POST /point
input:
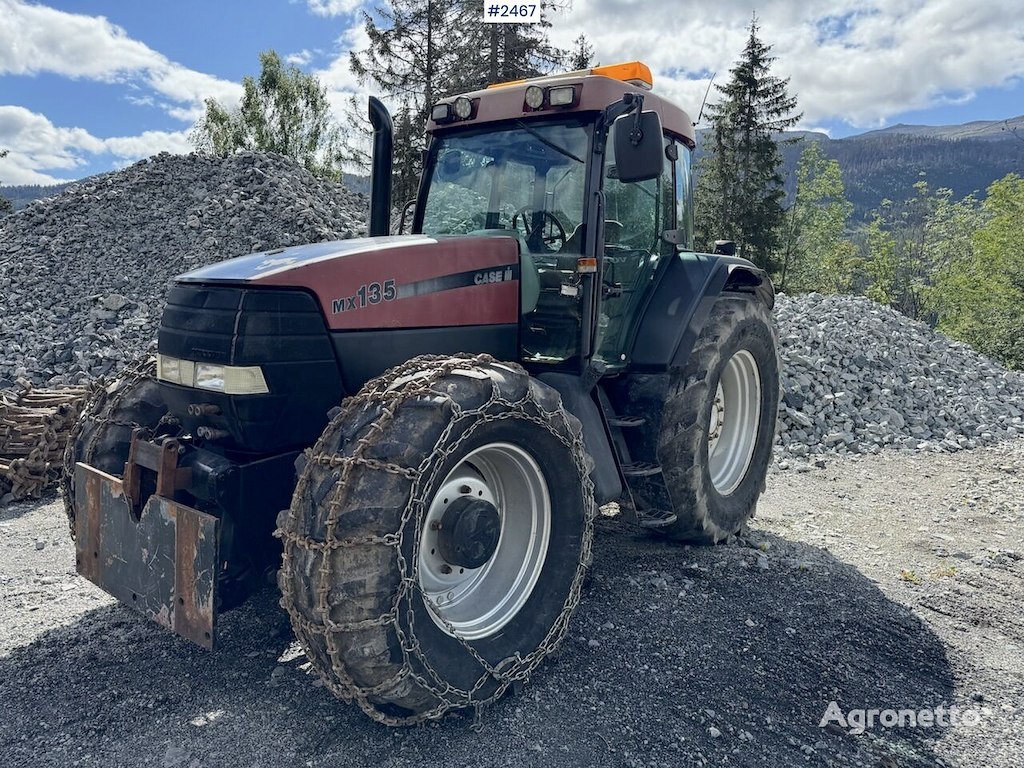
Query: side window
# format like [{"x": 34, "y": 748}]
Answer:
[
  {"x": 684, "y": 195},
  {"x": 635, "y": 216}
]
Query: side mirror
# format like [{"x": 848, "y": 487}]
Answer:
[{"x": 639, "y": 147}]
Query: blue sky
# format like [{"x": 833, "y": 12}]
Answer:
[{"x": 91, "y": 85}]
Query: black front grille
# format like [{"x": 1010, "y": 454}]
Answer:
[{"x": 284, "y": 333}]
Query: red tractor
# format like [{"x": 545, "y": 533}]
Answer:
[{"x": 438, "y": 414}]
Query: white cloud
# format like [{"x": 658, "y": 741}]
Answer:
[
  {"x": 858, "y": 61},
  {"x": 35, "y": 39},
  {"x": 300, "y": 59},
  {"x": 333, "y": 7},
  {"x": 37, "y": 146}
]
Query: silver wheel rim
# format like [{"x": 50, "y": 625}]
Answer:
[
  {"x": 735, "y": 415},
  {"x": 472, "y": 603}
]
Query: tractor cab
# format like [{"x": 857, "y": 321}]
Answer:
[{"x": 537, "y": 161}]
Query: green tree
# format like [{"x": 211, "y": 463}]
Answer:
[
  {"x": 283, "y": 110},
  {"x": 816, "y": 255},
  {"x": 910, "y": 246},
  {"x": 497, "y": 53},
  {"x": 5, "y": 204},
  {"x": 581, "y": 56},
  {"x": 413, "y": 54},
  {"x": 979, "y": 298},
  {"x": 739, "y": 192}
]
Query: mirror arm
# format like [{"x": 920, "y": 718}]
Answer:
[
  {"x": 636, "y": 134},
  {"x": 612, "y": 112}
]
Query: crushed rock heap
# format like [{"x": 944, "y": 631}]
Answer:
[
  {"x": 858, "y": 377},
  {"x": 83, "y": 275}
]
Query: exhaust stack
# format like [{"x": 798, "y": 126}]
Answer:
[{"x": 380, "y": 174}]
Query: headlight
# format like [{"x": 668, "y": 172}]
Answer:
[
  {"x": 534, "y": 97},
  {"x": 562, "y": 96},
  {"x": 229, "y": 379},
  {"x": 463, "y": 107},
  {"x": 441, "y": 113}
]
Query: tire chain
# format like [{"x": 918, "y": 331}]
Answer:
[
  {"x": 107, "y": 395},
  {"x": 409, "y": 381}
]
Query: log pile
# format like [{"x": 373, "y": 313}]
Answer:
[{"x": 34, "y": 428}]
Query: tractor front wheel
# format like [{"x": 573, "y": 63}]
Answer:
[
  {"x": 438, "y": 537},
  {"x": 718, "y": 425}
]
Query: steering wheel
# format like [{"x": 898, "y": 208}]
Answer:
[{"x": 551, "y": 232}]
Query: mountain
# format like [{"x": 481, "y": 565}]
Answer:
[
  {"x": 979, "y": 129},
  {"x": 22, "y": 195},
  {"x": 885, "y": 164}
]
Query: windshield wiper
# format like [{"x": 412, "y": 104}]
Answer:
[{"x": 548, "y": 142}]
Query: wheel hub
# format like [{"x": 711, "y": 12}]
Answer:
[
  {"x": 469, "y": 532},
  {"x": 733, "y": 425},
  {"x": 484, "y": 540}
]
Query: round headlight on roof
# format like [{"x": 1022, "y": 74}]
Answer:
[
  {"x": 463, "y": 107},
  {"x": 534, "y": 97}
]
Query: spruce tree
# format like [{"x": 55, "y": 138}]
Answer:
[
  {"x": 740, "y": 189},
  {"x": 582, "y": 54}
]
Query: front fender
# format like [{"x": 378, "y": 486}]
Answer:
[{"x": 681, "y": 302}]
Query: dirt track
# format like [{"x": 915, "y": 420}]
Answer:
[{"x": 891, "y": 582}]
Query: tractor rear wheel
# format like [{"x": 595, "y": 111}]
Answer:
[
  {"x": 718, "y": 425},
  {"x": 438, "y": 537},
  {"x": 103, "y": 434}
]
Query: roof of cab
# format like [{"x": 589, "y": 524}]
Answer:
[{"x": 597, "y": 88}]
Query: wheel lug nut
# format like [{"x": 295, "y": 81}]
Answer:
[{"x": 435, "y": 525}]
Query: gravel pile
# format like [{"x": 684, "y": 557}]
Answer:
[
  {"x": 83, "y": 275},
  {"x": 858, "y": 377}
]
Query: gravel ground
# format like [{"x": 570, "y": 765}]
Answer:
[{"x": 885, "y": 581}]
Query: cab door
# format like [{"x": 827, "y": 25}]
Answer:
[{"x": 635, "y": 216}]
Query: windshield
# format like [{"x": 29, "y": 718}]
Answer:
[{"x": 527, "y": 180}]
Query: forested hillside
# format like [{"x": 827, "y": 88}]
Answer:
[{"x": 886, "y": 164}]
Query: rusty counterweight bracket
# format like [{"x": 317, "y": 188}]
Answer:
[
  {"x": 162, "y": 560},
  {"x": 159, "y": 456}
]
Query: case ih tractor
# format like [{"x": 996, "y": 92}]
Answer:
[{"x": 439, "y": 413}]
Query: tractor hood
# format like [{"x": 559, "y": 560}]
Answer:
[{"x": 403, "y": 281}]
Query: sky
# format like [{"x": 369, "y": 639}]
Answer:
[{"x": 88, "y": 86}]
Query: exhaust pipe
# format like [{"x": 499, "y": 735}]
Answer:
[{"x": 380, "y": 173}]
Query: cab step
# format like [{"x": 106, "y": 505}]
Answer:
[
  {"x": 626, "y": 421},
  {"x": 654, "y": 518},
  {"x": 641, "y": 469}
]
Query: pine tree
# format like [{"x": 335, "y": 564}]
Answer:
[
  {"x": 414, "y": 53},
  {"x": 582, "y": 54},
  {"x": 497, "y": 53},
  {"x": 740, "y": 194}
]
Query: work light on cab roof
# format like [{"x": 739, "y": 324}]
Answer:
[{"x": 549, "y": 91}]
